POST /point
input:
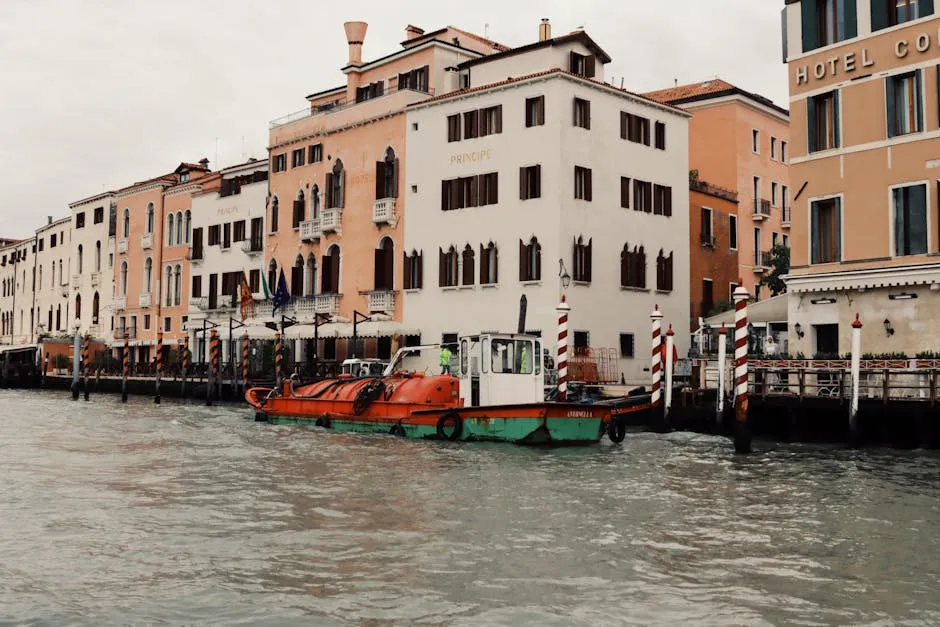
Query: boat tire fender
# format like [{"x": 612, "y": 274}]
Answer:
[
  {"x": 324, "y": 422},
  {"x": 617, "y": 430},
  {"x": 397, "y": 430},
  {"x": 261, "y": 416},
  {"x": 450, "y": 426},
  {"x": 369, "y": 392}
]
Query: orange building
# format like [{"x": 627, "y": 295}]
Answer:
[
  {"x": 740, "y": 141},
  {"x": 338, "y": 194},
  {"x": 713, "y": 246}
]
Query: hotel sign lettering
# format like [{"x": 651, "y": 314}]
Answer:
[
  {"x": 471, "y": 157},
  {"x": 849, "y": 62}
]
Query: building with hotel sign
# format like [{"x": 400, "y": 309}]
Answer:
[{"x": 865, "y": 165}]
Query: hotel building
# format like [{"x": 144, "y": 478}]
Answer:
[
  {"x": 534, "y": 169},
  {"x": 865, "y": 154}
]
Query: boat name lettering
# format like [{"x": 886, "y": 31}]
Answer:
[{"x": 579, "y": 413}]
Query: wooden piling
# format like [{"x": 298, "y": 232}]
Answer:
[
  {"x": 86, "y": 360},
  {"x": 278, "y": 372},
  {"x": 722, "y": 357},
  {"x": 742, "y": 433},
  {"x": 656, "y": 323},
  {"x": 670, "y": 365},
  {"x": 244, "y": 363},
  {"x": 211, "y": 370},
  {"x": 185, "y": 366},
  {"x": 156, "y": 397},
  {"x": 127, "y": 367}
]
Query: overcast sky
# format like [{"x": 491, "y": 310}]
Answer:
[{"x": 98, "y": 94}]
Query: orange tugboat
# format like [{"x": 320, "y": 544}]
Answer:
[{"x": 498, "y": 395}]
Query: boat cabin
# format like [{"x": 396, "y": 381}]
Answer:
[
  {"x": 501, "y": 369},
  {"x": 364, "y": 367}
]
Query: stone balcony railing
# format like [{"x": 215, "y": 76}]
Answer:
[
  {"x": 144, "y": 300},
  {"x": 383, "y": 211},
  {"x": 381, "y": 301},
  {"x": 119, "y": 303},
  {"x": 146, "y": 241},
  {"x": 310, "y": 230},
  {"x": 761, "y": 209},
  {"x": 95, "y": 279},
  {"x": 199, "y": 302},
  {"x": 331, "y": 220},
  {"x": 122, "y": 245},
  {"x": 76, "y": 281}
]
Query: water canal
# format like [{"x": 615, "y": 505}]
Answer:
[{"x": 185, "y": 514}]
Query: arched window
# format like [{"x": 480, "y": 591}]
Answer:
[
  {"x": 310, "y": 276},
  {"x": 336, "y": 186},
  {"x": 448, "y": 267},
  {"x": 489, "y": 264},
  {"x": 386, "y": 176},
  {"x": 78, "y": 306},
  {"x": 61, "y": 276},
  {"x": 170, "y": 219},
  {"x": 123, "y": 278},
  {"x": 272, "y": 276},
  {"x": 148, "y": 276},
  {"x": 664, "y": 272},
  {"x": 94, "y": 308},
  {"x": 633, "y": 267},
  {"x": 384, "y": 273},
  {"x": 581, "y": 260},
  {"x": 297, "y": 277},
  {"x": 414, "y": 271},
  {"x": 329, "y": 271},
  {"x": 58, "y": 318},
  {"x": 150, "y": 217},
  {"x": 299, "y": 209},
  {"x": 98, "y": 256},
  {"x": 273, "y": 219},
  {"x": 79, "y": 258},
  {"x": 188, "y": 225},
  {"x": 169, "y": 286},
  {"x": 40, "y": 282},
  {"x": 530, "y": 260},
  {"x": 469, "y": 267},
  {"x": 126, "y": 223},
  {"x": 49, "y": 326},
  {"x": 179, "y": 227},
  {"x": 315, "y": 202},
  {"x": 178, "y": 292}
]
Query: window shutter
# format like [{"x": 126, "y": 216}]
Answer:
[
  {"x": 378, "y": 270},
  {"x": 396, "y": 172},
  {"x": 541, "y": 110},
  {"x": 329, "y": 190},
  {"x": 326, "y": 285},
  {"x": 538, "y": 261},
  {"x": 588, "y": 186},
  {"x": 522, "y": 183},
  {"x": 851, "y": 19},
  {"x": 484, "y": 264},
  {"x": 890, "y": 92},
  {"x": 499, "y": 119},
  {"x": 587, "y": 114},
  {"x": 523, "y": 260},
  {"x": 538, "y": 181},
  {"x": 646, "y": 131},
  {"x": 406, "y": 271},
  {"x": 574, "y": 111},
  {"x": 468, "y": 270},
  {"x": 667, "y": 208},
  {"x": 879, "y": 14},
  {"x": 587, "y": 260},
  {"x": 838, "y": 236},
  {"x": 474, "y": 190},
  {"x": 342, "y": 189},
  {"x": 810, "y": 27},
  {"x": 495, "y": 264},
  {"x": 420, "y": 273},
  {"x": 624, "y": 192},
  {"x": 388, "y": 264},
  {"x": 623, "y": 125},
  {"x": 442, "y": 260},
  {"x": 815, "y": 235},
  {"x": 573, "y": 62},
  {"x": 589, "y": 66},
  {"x": 924, "y": 8},
  {"x": 445, "y": 196},
  {"x": 918, "y": 100},
  {"x": 836, "y": 131},
  {"x": 379, "y": 180}
]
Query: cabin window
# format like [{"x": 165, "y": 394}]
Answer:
[
  {"x": 485, "y": 362},
  {"x": 511, "y": 356},
  {"x": 464, "y": 357},
  {"x": 538, "y": 357}
]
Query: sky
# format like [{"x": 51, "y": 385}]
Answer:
[{"x": 98, "y": 94}]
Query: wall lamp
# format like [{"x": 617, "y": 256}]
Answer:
[
  {"x": 563, "y": 274},
  {"x": 799, "y": 330},
  {"x": 889, "y": 330}
]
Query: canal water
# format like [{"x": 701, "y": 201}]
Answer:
[{"x": 183, "y": 514}]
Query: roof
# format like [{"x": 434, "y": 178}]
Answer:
[
  {"x": 434, "y": 33},
  {"x": 341, "y": 88},
  {"x": 708, "y": 90},
  {"x": 574, "y": 36}
]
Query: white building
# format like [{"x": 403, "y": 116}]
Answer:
[
  {"x": 54, "y": 287},
  {"x": 92, "y": 265},
  {"x": 227, "y": 242},
  {"x": 17, "y": 263},
  {"x": 538, "y": 168}
]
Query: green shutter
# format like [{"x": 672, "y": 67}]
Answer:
[
  {"x": 889, "y": 99},
  {"x": 837, "y": 130},
  {"x": 924, "y": 8},
  {"x": 851, "y": 19},
  {"x": 810, "y": 28},
  {"x": 897, "y": 203},
  {"x": 811, "y": 124},
  {"x": 879, "y": 15}
]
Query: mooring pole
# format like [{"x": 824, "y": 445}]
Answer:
[
  {"x": 185, "y": 366},
  {"x": 127, "y": 366},
  {"x": 562, "y": 309},
  {"x": 156, "y": 397},
  {"x": 244, "y": 362},
  {"x": 670, "y": 364},
  {"x": 211, "y": 367},
  {"x": 86, "y": 360},
  {"x": 722, "y": 384},
  {"x": 742, "y": 433},
  {"x": 278, "y": 374},
  {"x": 656, "y": 368},
  {"x": 856, "y": 367},
  {"x": 76, "y": 362}
]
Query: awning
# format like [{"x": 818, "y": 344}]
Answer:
[
  {"x": 773, "y": 309},
  {"x": 371, "y": 328},
  {"x": 19, "y": 348}
]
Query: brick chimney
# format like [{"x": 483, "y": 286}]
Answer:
[
  {"x": 545, "y": 30},
  {"x": 355, "y": 35},
  {"x": 413, "y": 32}
]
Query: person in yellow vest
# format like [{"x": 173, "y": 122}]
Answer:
[
  {"x": 445, "y": 359},
  {"x": 524, "y": 358}
]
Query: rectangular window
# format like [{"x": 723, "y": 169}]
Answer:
[
  {"x": 773, "y": 193},
  {"x": 146, "y": 321},
  {"x": 905, "y": 110},
  {"x": 470, "y": 191},
  {"x": 238, "y": 231},
  {"x": 773, "y": 238},
  {"x": 582, "y": 339},
  {"x": 297, "y": 158},
  {"x": 708, "y": 297},
  {"x": 910, "y": 220},
  {"x": 786, "y": 240},
  {"x": 254, "y": 281},
  {"x": 582, "y": 113},
  {"x": 227, "y": 235},
  {"x": 80, "y": 220},
  {"x": 626, "y": 345},
  {"x": 214, "y": 235},
  {"x": 661, "y": 135},
  {"x": 491, "y": 120},
  {"x": 642, "y": 196},
  {"x": 370, "y": 91},
  {"x": 535, "y": 111},
  {"x": 453, "y": 128},
  {"x": 783, "y": 152},
  {"x": 280, "y": 162},
  {"x": 773, "y": 147},
  {"x": 826, "y": 22},
  {"x": 582, "y": 183},
  {"x": 634, "y": 128},
  {"x": 822, "y": 114},
  {"x": 826, "y": 231},
  {"x": 471, "y": 124},
  {"x": 99, "y": 215},
  {"x": 624, "y": 192},
  {"x": 733, "y": 232},
  {"x": 530, "y": 182},
  {"x": 886, "y": 13},
  {"x": 582, "y": 65},
  {"x": 416, "y": 80},
  {"x": 167, "y": 324},
  {"x": 52, "y": 240},
  {"x": 755, "y": 141},
  {"x": 662, "y": 200},
  {"x": 316, "y": 153},
  {"x": 708, "y": 228}
]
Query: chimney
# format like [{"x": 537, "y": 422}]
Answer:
[
  {"x": 355, "y": 35},
  {"x": 204, "y": 163},
  {"x": 413, "y": 32},
  {"x": 545, "y": 30},
  {"x": 50, "y": 219}
]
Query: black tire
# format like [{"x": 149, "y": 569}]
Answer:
[
  {"x": 324, "y": 422},
  {"x": 260, "y": 416},
  {"x": 617, "y": 430},
  {"x": 397, "y": 430},
  {"x": 450, "y": 426}
]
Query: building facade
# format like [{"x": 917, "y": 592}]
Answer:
[
  {"x": 92, "y": 263},
  {"x": 55, "y": 293},
  {"x": 17, "y": 262},
  {"x": 713, "y": 249},
  {"x": 514, "y": 183},
  {"x": 865, "y": 142}
]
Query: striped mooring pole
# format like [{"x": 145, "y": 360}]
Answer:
[
  {"x": 86, "y": 360},
  {"x": 656, "y": 363},
  {"x": 127, "y": 366},
  {"x": 156, "y": 396},
  {"x": 669, "y": 367},
  {"x": 856, "y": 366},
  {"x": 563, "y": 309},
  {"x": 278, "y": 372},
  {"x": 185, "y": 365},
  {"x": 213, "y": 363},
  {"x": 245, "y": 362},
  {"x": 742, "y": 433}
]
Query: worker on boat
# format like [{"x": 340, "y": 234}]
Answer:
[
  {"x": 445, "y": 359},
  {"x": 524, "y": 358}
]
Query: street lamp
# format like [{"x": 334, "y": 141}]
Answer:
[{"x": 563, "y": 274}]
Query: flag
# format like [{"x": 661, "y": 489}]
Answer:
[
  {"x": 264, "y": 286},
  {"x": 282, "y": 295},
  {"x": 247, "y": 300}
]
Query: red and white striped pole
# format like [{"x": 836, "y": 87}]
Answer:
[
  {"x": 563, "y": 309},
  {"x": 742, "y": 435},
  {"x": 657, "y": 355}
]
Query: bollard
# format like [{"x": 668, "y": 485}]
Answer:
[
  {"x": 127, "y": 366},
  {"x": 562, "y": 309},
  {"x": 245, "y": 363},
  {"x": 86, "y": 359},
  {"x": 722, "y": 384},
  {"x": 742, "y": 433},
  {"x": 279, "y": 378},
  {"x": 156, "y": 398},
  {"x": 667, "y": 410},
  {"x": 856, "y": 367},
  {"x": 656, "y": 369}
]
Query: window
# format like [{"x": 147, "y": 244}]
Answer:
[
  {"x": 453, "y": 128},
  {"x": 904, "y": 107},
  {"x": 447, "y": 271},
  {"x": 150, "y": 217},
  {"x": 370, "y": 91},
  {"x": 148, "y": 275},
  {"x": 40, "y": 248},
  {"x": 197, "y": 286},
  {"x": 885, "y": 13},
  {"x": 316, "y": 153},
  {"x": 530, "y": 182},
  {"x": 167, "y": 324},
  {"x": 99, "y": 215},
  {"x": 773, "y": 147},
  {"x": 581, "y": 260},
  {"x": 146, "y": 321},
  {"x": 733, "y": 232},
  {"x": 582, "y": 113},
  {"x": 661, "y": 135},
  {"x": 708, "y": 228},
  {"x": 279, "y": 162},
  {"x": 491, "y": 120},
  {"x": 414, "y": 271},
  {"x": 469, "y": 270},
  {"x": 708, "y": 297},
  {"x": 471, "y": 124},
  {"x": 300, "y": 209},
  {"x": 416, "y": 79},
  {"x": 297, "y": 157},
  {"x": 826, "y": 231},
  {"x": 274, "y": 212},
  {"x": 626, "y": 345},
  {"x": 731, "y": 288},
  {"x": 624, "y": 192},
  {"x": 80, "y": 220},
  {"x": 582, "y": 339},
  {"x": 633, "y": 267},
  {"x": 227, "y": 235},
  {"x": 169, "y": 229},
  {"x": 664, "y": 272},
  {"x": 662, "y": 200},
  {"x": 773, "y": 193},
  {"x": 755, "y": 141},
  {"x": 783, "y": 152},
  {"x": 826, "y": 22},
  {"x": 582, "y": 65},
  {"x": 336, "y": 186},
  {"x": 386, "y": 176},
  {"x": 471, "y": 191},
  {"x": 634, "y": 128},
  {"x": 52, "y": 240},
  {"x": 530, "y": 260},
  {"x": 215, "y": 235},
  {"x": 535, "y": 111},
  {"x": 642, "y": 196},
  {"x": 910, "y": 220},
  {"x": 786, "y": 240},
  {"x": 80, "y": 258},
  {"x": 823, "y": 121},
  {"x": 169, "y": 286},
  {"x": 582, "y": 183},
  {"x": 254, "y": 281},
  {"x": 489, "y": 268}
]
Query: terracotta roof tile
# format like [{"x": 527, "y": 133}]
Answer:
[
  {"x": 483, "y": 40},
  {"x": 692, "y": 90}
]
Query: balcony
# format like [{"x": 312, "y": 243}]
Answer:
[
  {"x": 383, "y": 211},
  {"x": 761, "y": 210},
  {"x": 95, "y": 279},
  {"x": 785, "y": 222},
  {"x": 144, "y": 300},
  {"x": 195, "y": 254},
  {"x": 119, "y": 303},
  {"x": 146, "y": 241},
  {"x": 762, "y": 262},
  {"x": 308, "y": 306},
  {"x": 225, "y": 301},
  {"x": 252, "y": 246},
  {"x": 199, "y": 302},
  {"x": 76, "y": 281},
  {"x": 122, "y": 245},
  {"x": 131, "y": 333},
  {"x": 331, "y": 220},
  {"x": 111, "y": 245},
  {"x": 310, "y": 230},
  {"x": 381, "y": 301}
]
